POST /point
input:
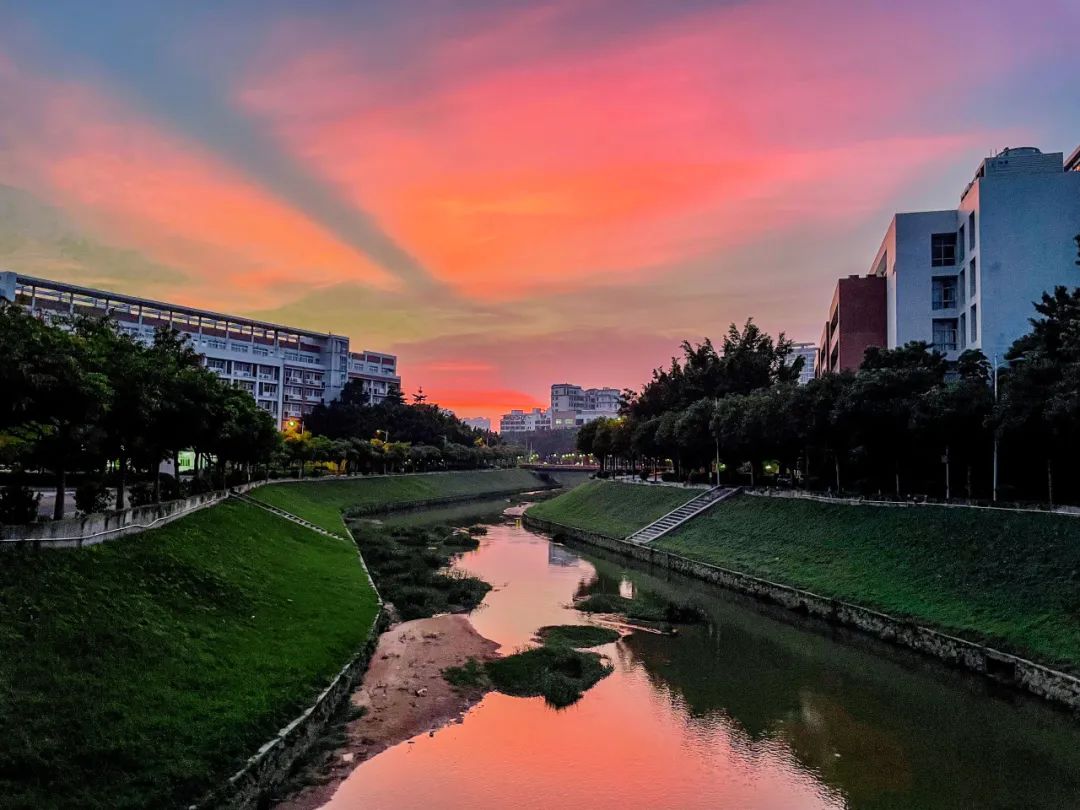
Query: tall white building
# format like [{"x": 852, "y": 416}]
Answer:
[
  {"x": 287, "y": 370},
  {"x": 966, "y": 278}
]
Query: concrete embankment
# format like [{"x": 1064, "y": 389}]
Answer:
[{"x": 1021, "y": 673}]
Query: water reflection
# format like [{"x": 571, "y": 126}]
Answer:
[{"x": 744, "y": 711}]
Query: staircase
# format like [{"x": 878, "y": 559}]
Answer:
[
  {"x": 283, "y": 514},
  {"x": 677, "y": 517}
]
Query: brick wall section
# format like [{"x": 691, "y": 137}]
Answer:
[{"x": 1050, "y": 684}]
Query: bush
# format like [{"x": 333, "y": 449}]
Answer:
[
  {"x": 644, "y": 475},
  {"x": 141, "y": 494},
  {"x": 91, "y": 496},
  {"x": 670, "y": 477},
  {"x": 18, "y": 504}
]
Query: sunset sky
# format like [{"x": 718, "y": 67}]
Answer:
[{"x": 507, "y": 194}]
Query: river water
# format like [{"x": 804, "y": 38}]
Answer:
[{"x": 754, "y": 710}]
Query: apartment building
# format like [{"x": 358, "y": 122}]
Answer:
[
  {"x": 521, "y": 421},
  {"x": 857, "y": 317},
  {"x": 478, "y": 422},
  {"x": 285, "y": 369},
  {"x": 377, "y": 373},
  {"x": 965, "y": 278},
  {"x": 572, "y": 405}
]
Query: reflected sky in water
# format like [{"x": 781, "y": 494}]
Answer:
[{"x": 746, "y": 711}]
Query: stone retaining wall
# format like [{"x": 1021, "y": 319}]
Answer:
[
  {"x": 98, "y": 528},
  {"x": 272, "y": 765},
  {"x": 1053, "y": 685}
]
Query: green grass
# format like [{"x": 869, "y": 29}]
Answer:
[
  {"x": 613, "y": 509},
  {"x": 322, "y": 502},
  {"x": 1008, "y": 579},
  {"x": 143, "y": 672},
  {"x": 579, "y": 636}
]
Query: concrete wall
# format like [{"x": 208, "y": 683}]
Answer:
[
  {"x": 98, "y": 528},
  {"x": 1051, "y": 684}
]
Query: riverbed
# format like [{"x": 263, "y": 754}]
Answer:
[{"x": 754, "y": 709}]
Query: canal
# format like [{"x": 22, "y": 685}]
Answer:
[{"x": 754, "y": 709}]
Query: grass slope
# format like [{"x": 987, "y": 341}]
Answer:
[
  {"x": 142, "y": 672},
  {"x": 1010, "y": 579},
  {"x": 613, "y": 509},
  {"x": 322, "y": 502}
]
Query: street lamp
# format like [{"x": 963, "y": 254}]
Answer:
[{"x": 998, "y": 365}]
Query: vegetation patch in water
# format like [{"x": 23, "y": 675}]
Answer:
[
  {"x": 408, "y": 565},
  {"x": 470, "y": 675},
  {"x": 638, "y": 610},
  {"x": 559, "y": 673},
  {"x": 577, "y": 635}
]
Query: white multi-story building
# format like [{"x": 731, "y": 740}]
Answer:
[
  {"x": 478, "y": 422},
  {"x": 377, "y": 372},
  {"x": 572, "y": 405},
  {"x": 966, "y": 278},
  {"x": 808, "y": 352},
  {"x": 520, "y": 421},
  {"x": 287, "y": 370}
]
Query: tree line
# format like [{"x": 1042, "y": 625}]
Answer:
[
  {"x": 906, "y": 423},
  {"x": 83, "y": 402},
  {"x": 85, "y": 398}
]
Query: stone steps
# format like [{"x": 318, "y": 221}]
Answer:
[
  {"x": 677, "y": 517},
  {"x": 307, "y": 524}
]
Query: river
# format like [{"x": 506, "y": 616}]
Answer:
[{"x": 754, "y": 710}]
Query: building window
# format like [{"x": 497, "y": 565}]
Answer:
[
  {"x": 971, "y": 278},
  {"x": 974, "y": 324},
  {"x": 942, "y": 250},
  {"x": 963, "y": 331},
  {"x": 960, "y": 288},
  {"x": 943, "y": 292},
  {"x": 945, "y": 334},
  {"x": 960, "y": 245},
  {"x": 971, "y": 230}
]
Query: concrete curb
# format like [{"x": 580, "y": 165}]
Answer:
[{"x": 1020, "y": 673}]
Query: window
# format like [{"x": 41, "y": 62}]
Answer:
[
  {"x": 963, "y": 331},
  {"x": 942, "y": 250},
  {"x": 974, "y": 324},
  {"x": 960, "y": 245},
  {"x": 960, "y": 286},
  {"x": 943, "y": 292},
  {"x": 971, "y": 230},
  {"x": 945, "y": 334},
  {"x": 971, "y": 278}
]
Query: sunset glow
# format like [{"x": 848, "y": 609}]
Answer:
[{"x": 506, "y": 195}]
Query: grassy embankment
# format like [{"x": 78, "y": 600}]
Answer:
[
  {"x": 322, "y": 502},
  {"x": 1008, "y": 579},
  {"x": 612, "y": 509},
  {"x": 143, "y": 672}
]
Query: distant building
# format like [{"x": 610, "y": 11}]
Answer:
[
  {"x": 520, "y": 421},
  {"x": 856, "y": 322},
  {"x": 478, "y": 422},
  {"x": 808, "y": 352},
  {"x": 285, "y": 369},
  {"x": 573, "y": 406}
]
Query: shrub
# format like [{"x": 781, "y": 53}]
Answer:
[
  {"x": 91, "y": 496},
  {"x": 18, "y": 504},
  {"x": 141, "y": 494},
  {"x": 644, "y": 475}
]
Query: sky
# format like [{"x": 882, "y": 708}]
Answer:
[{"x": 507, "y": 194}]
